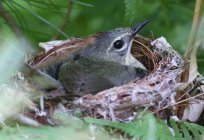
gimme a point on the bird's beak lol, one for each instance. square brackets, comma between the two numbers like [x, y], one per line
[137, 27]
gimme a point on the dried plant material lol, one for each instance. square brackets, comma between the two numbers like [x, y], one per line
[191, 100]
[47, 46]
[190, 72]
[142, 51]
[56, 51]
[193, 111]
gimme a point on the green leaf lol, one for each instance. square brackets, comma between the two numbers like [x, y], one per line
[145, 128]
[197, 131]
[40, 18]
[176, 129]
[185, 131]
[131, 9]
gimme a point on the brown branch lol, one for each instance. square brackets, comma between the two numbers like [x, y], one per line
[66, 19]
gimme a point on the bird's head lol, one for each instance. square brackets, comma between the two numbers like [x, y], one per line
[115, 46]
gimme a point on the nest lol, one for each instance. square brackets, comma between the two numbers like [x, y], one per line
[160, 92]
[155, 91]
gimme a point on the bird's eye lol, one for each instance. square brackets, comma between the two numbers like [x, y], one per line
[118, 44]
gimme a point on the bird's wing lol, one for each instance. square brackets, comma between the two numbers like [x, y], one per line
[89, 75]
[79, 80]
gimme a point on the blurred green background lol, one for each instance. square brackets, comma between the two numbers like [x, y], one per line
[39, 20]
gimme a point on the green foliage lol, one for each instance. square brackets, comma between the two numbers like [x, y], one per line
[132, 9]
[187, 131]
[149, 128]
[146, 128]
[41, 20]
[43, 133]
[39, 17]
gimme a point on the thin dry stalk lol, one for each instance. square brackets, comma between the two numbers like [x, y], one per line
[179, 102]
[190, 53]
[189, 49]
[66, 19]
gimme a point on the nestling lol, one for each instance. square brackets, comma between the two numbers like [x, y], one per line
[105, 63]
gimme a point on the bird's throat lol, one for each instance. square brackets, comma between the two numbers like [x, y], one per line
[131, 61]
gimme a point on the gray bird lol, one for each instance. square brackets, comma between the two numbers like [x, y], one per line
[103, 64]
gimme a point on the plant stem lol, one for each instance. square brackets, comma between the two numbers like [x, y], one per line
[66, 19]
[190, 52]
[192, 35]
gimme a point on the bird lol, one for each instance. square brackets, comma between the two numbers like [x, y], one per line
[105, 63]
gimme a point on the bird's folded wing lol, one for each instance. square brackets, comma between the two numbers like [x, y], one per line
[77, 80]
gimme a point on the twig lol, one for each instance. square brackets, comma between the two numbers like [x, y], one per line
[190, 52]
[177, 103]
[189, 49]
[149, 51]
[66, 19]
[59, 50]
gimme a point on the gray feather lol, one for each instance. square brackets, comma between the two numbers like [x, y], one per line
[90, 75]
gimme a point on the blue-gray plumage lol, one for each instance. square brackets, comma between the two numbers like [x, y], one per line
[105, 63]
